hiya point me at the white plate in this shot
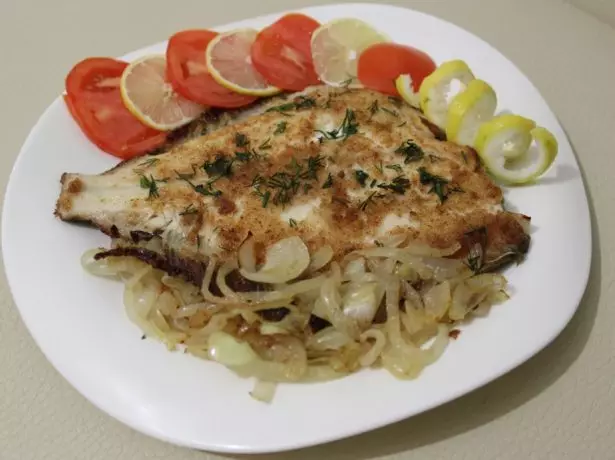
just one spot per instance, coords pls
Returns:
(79, 321)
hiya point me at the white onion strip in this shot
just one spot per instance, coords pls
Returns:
(369, 358)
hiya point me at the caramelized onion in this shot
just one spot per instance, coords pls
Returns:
(368, 287)
(285, 261)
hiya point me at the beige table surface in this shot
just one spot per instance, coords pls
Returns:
(560, 404)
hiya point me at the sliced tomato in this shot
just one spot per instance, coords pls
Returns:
(297, 29)
(380, 64)
(282, 52)
(188, 74)
(94, 101)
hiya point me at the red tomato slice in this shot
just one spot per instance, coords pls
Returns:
(188, 74)
(94, 101)
(381, 64)
(282, 52)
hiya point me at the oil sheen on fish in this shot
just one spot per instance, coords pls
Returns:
(340, 167)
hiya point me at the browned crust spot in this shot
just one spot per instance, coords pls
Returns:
(64, 202)
(75, 186)
(225, 206)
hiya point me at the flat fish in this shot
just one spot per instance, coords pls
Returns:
(347, 168)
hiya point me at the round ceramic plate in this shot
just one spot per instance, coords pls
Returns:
(79, 321)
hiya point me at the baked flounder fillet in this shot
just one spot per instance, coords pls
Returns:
(339, 167)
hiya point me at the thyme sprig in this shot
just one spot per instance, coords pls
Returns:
(280, 128)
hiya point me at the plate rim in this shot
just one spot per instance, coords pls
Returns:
(342, 434)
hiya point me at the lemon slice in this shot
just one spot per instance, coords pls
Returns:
(468, 110)
(403, 84)
(435, 89)
(151, 99)
(336, 47)
(229, 63)
(514, 150)
(509, 134)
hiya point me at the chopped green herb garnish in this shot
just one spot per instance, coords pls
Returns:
(378, 243)
(292, 223)
(373, 184)
(329, 182)
(264, 196)
(222, 166)
(280, 127)
(361, 177)
(397, 168)
(374, 108)
(265, 145)
(247, 154)
(294, 165)
(244, 156)
(241, 140)
(282, 108)
(206, 189)
(411, 151)
(390, 112)
(314, 163)
(285, 185)
(426, 177)
(151, 185)
(398, 185)
(150, 162)
(403, 123)
(346, 83)
(438, 184)
(303, 102)
(348, 127)
(190, 209)
(258, 180)
(372, 196)
(379, 167)
(433, 158)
